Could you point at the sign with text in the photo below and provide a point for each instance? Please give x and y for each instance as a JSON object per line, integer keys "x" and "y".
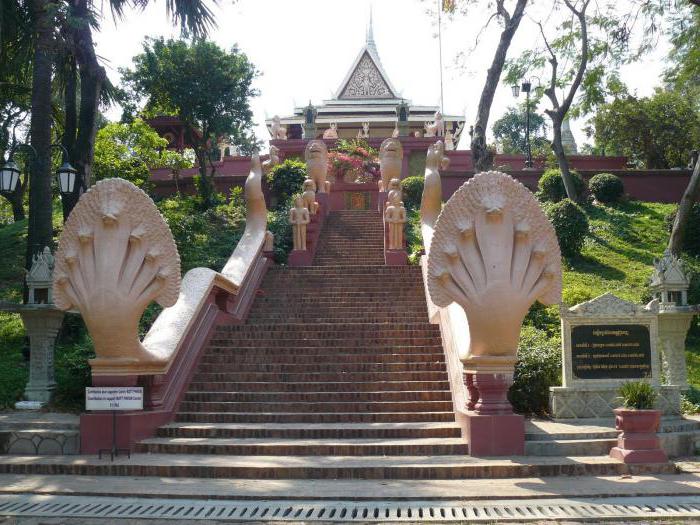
{"x": 114, "y": 398}
{"x": 611, "y": 351}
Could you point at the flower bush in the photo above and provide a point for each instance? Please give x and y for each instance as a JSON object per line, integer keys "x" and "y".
{"x": 353, "y": 161}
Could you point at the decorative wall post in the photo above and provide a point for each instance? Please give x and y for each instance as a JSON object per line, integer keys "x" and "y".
{"x": 669, "y": 285}
{"x": 494, "y": 253}
{"x": 310, "y": 113}
{"x": 42, "y": 322}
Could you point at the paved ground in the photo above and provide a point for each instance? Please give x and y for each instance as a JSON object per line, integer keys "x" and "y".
{"x": 468, "y": 489}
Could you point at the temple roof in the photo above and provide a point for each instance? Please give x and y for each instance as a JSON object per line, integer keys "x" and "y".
{"x": 366, "y": 79}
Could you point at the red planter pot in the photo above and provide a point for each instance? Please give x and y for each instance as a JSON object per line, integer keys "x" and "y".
{"x": 638, "y": 442}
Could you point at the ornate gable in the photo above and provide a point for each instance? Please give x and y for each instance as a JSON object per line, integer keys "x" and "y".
{"x": 367, "y": 81}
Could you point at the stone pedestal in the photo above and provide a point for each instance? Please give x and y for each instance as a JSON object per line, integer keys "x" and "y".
{"x": 42, "y": 324}
{"x": 395, "y": 257}
{"x": 492, "y": 428}
{"x": 599, "y": 401}
{"x": 638, "y": 441}
{"x": 309, "y": 131}
{"x": 673, "y": 329}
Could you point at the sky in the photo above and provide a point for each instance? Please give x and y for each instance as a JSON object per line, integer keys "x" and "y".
{"x": 304, "y": 49}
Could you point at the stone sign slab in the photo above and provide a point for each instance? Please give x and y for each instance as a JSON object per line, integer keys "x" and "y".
{"x": 617, "y": 351}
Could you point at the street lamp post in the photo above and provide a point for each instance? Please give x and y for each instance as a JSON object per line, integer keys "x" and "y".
{"x": 10, "y": 173}
{"x": 526, "y": 87}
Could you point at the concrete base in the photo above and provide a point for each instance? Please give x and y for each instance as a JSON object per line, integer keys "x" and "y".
{"x": 599, "y": 401}
{"x": 395, "y": 257}
{"x": 495, "y": 435}
{"x": 638, "y": 456}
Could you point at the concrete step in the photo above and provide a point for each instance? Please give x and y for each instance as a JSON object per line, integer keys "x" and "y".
{"x": 315, "y": 407}
{"x": 315, "y": 397}
{"x": 317, "y": 417}
{"x": 349, "y": 377}
{"x": 311, "y": 430}
{"x": 323, "y": 467}
{"x": 568, "y": 447}
{"x": 325, "y": 367}
{"x": 282, "y": 357}
{"x": 402, "y": 352}
{"x": 305, "y": 447}
{"x": 309, "y": 386}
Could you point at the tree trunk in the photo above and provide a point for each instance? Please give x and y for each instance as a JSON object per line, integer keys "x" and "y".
{"x": 40, "y": 230}
{"x": 562, "y": 160}
{"x": 70, "y": 129}
{"x": 204, "y": 187}
{"x": 691, "y": 194}
{"x": 482, "y": 157}
{"x": 92, "y": 77}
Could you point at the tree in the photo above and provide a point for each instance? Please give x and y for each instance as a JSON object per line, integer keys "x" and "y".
{"x": 131, "y": 150}
{"x": 15, "y": 84}
{"x": 684, "y": 58}
{"x": 509, "y": 20}
{"x": 690, "y": 196}
{"x": 655, "y": 132}
{"x": 78, "y": 19}
{"x": 509, "y": 130}
{"x": 208, "y": 88}
{"x": 580, "y": 59}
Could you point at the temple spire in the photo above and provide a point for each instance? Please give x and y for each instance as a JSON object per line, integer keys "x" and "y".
{"x": 370, "y": 34}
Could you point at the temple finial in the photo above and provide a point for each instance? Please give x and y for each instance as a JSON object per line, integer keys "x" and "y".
{"x": 370, "y": 33}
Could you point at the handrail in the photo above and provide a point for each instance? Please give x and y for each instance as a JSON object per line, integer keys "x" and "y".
{"x": 454, "y": 327}
{"x": 171, "y": 327}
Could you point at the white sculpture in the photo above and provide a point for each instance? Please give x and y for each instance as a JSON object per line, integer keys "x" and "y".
{"x": 269, "y": 244}
{"x": 272, "y": 160}
{"x": 309, "y": 196}
{"x": 390, "y": 162}
{"x": 316, "y": 156}
{"x": 449, "y": 141}
{"x": 116, "y": 254}
{"x": 299, "y": 217}
{"x": 494, "y": 253}
{"x": 416, "y": 134}
{"x": 332, "y": 132}
{"x": 395, "y": 193}
{"x": 437, "y": 128}
{"x": 364, "y": 132}
{"x": 277, "y": 131}
{"x": 395, "y": 217}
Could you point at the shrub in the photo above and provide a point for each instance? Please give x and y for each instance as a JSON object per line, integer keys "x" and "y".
{"x": 691, "y": 241}
{"x": 551, "y": 185}
{"x": 571, "y": 225}
{"x": 606, "y": 187}
{"x": 576, "y": 294}
{"x": 538, "y": 368}
{"x": 285, "y": 180}
{"x": 638, "y": 395}
{"x": 412, "y": 191}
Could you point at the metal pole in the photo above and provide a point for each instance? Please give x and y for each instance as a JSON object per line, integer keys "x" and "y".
{"x": 442, "y": 93}
{"x": 528, "y": 162}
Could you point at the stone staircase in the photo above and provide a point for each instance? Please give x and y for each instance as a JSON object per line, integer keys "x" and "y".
{"x": 335, "y": 360}
{"x": 351, "y": 238}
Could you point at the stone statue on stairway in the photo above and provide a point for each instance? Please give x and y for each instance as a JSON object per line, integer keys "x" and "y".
{"x": 390, "y": 162}
{"x": 277, "y": 131}
{"x": 299, "y": 217}
{"x": 316, "y": 156}
{"x": 394, "y": 190}
{"x": 395, "y": 217}
{"x": 437, "y": 128}
{"x": 309, "y": 196}
{"x": 332, "y": 132}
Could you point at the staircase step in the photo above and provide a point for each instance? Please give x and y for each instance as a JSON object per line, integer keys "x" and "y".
{"x": 305, "y": 447}
{"x": 329, "y": 367}
{"x": 315, "y": 417}
{"x": 360, "y": 377}
{"x": 315, "y": 407}
{"x": 308, "y": 386}
{"x": 323, "y": 467}
{"x": 282, "y": 357}
{"x": 407, "y": 351}
{"x": 311, "y": 430}
{"x": 561, "y": 447}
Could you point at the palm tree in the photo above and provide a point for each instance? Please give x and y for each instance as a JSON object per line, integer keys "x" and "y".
{"x": 193, "y": 16}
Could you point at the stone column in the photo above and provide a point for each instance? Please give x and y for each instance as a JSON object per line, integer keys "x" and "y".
{"x": 42, "y": 326}
{"x": 673, "y": 328}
